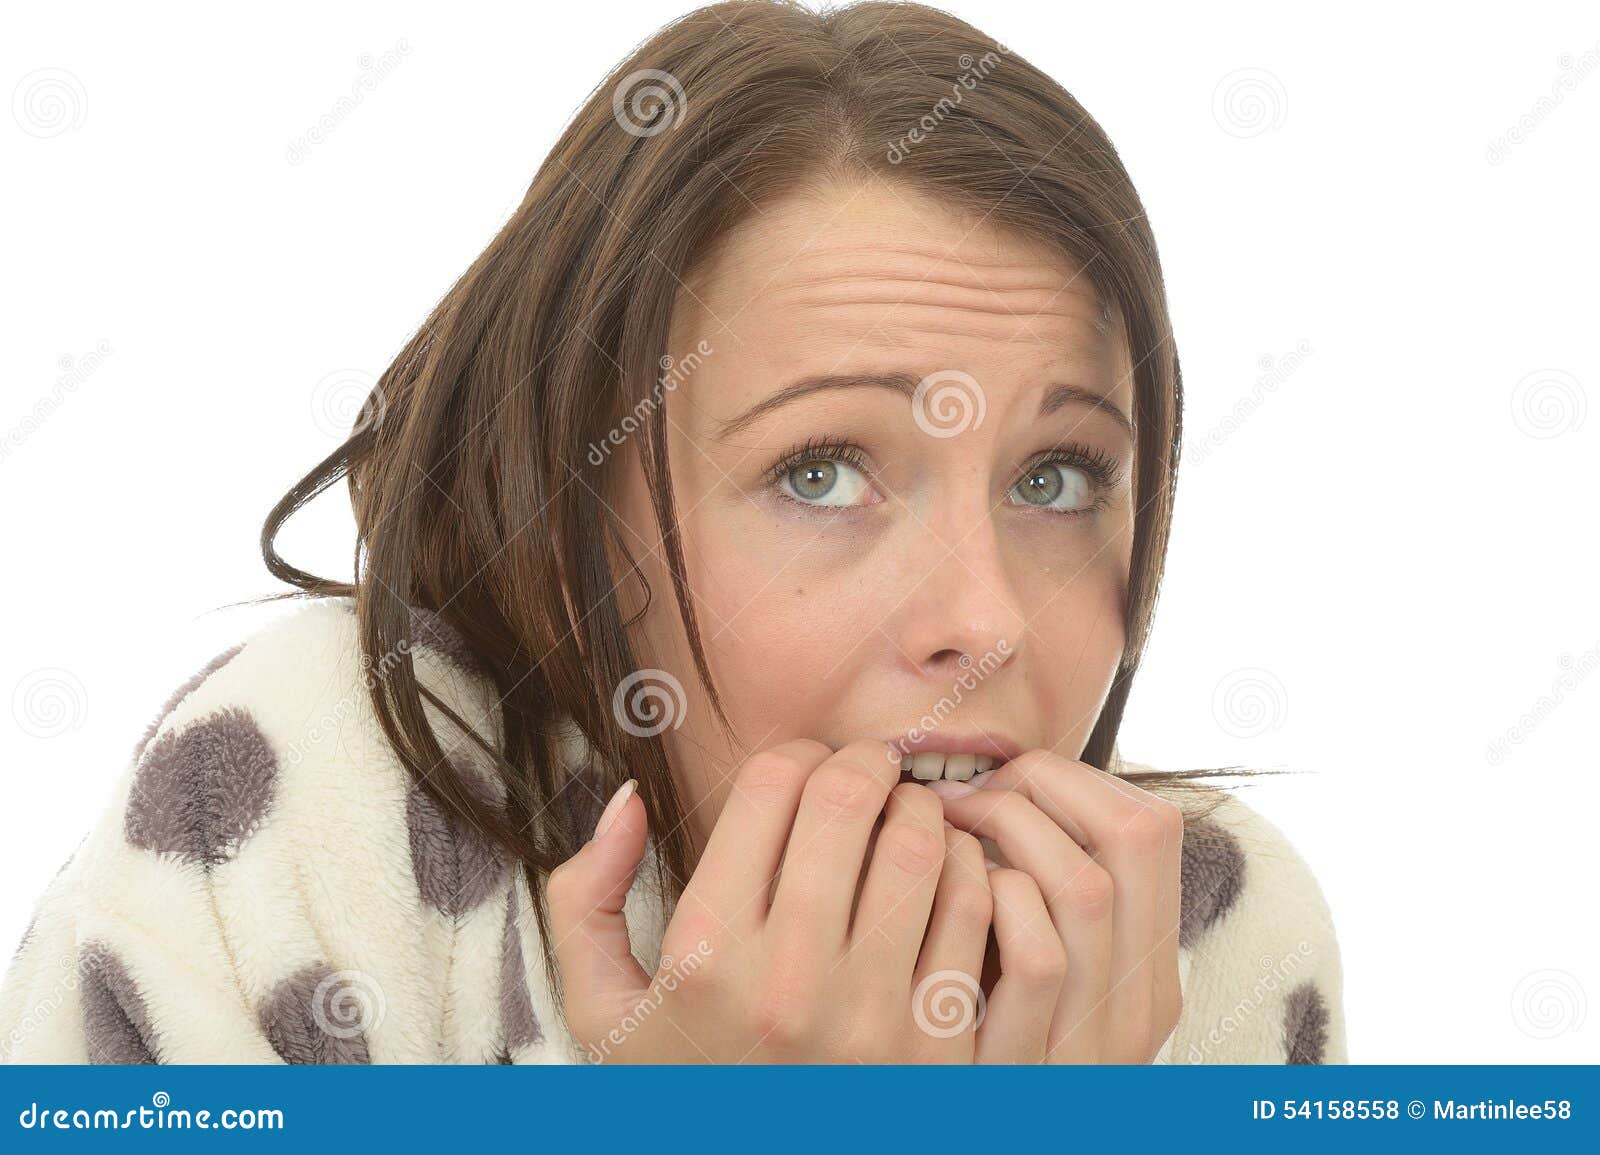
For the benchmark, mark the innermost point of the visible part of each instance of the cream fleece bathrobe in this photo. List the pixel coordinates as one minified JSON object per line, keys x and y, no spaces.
{"x":267,"y":884}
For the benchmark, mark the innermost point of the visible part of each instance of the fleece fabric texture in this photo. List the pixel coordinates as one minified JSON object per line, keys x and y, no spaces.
{"x":268,"y":884}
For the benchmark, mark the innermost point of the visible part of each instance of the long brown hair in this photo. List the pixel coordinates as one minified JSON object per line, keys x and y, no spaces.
{"x":474,"y":496}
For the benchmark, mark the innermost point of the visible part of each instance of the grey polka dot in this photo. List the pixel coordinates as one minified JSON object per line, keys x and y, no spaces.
{"x":456,"y":866}
{"x":520,"y":1024}
{"x":301,"y":1030}
{"x":430,"y":631}
{"x":203,"y":790}
{"x":116,"y":1025}
{"x":183,"y":692}
{"x":580,"y":800}
{"x":1305,"y":1025}
{"x":1213,"y":874}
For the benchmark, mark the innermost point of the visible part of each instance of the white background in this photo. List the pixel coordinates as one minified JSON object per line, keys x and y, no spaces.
{"x":1384,"y":558}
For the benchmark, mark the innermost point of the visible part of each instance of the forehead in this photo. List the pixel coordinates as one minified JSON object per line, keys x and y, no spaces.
{"x":873,"y":273}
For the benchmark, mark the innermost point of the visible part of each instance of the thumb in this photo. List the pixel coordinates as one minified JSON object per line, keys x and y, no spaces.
{"x":585,"y":895}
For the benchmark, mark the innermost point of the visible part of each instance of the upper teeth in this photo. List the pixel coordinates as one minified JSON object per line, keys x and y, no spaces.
{"x":956,"y":767}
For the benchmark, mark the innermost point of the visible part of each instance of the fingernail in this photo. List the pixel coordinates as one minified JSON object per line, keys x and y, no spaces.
{"x":614,"y":807}
{"x":949,"y":788}
{"x":977,"y":781}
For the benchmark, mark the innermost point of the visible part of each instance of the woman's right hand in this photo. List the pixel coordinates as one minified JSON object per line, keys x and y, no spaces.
{"x":784,"y":973}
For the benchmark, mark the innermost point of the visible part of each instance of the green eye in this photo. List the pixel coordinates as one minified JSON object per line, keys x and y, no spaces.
{"x":1052,"y":486}
{"x":823,"y":482}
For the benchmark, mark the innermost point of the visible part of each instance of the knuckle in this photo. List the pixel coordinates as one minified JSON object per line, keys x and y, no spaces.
{"x":1027,"y":765}
{"x":971,"y":905}
{"x":1148,"y":826}
{"x":914,"y":849}
{"x":1041,"y":964}
{"x":920,"y":803}
{"x":783,"y":1014}
{"x":559,"y":887}
{"x":1090,"y":892}
{"x":692,"y":931}
{"x":844,"y":790}
{"x":963,"y":845}
{"x":774,"y":773}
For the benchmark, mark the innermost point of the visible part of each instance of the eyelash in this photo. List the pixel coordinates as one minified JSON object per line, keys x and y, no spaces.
{"x":1102,"y":469}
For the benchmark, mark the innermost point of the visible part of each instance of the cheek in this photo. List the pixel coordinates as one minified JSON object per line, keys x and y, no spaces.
{"x":786,"y":617}
{"x":1076,"y":644}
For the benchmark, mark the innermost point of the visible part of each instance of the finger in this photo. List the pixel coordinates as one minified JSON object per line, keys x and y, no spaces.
{"x":735,"y":872}
{"x":902,"y":877}
{"x":585,"y":897}
{"x":827,"y":847}
{"x":1078,"y":892}
{"x":963,"y":907}
{"x":1138,"y":837}
{"x":1033,"y":967}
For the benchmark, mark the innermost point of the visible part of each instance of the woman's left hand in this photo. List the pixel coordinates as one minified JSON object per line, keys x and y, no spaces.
{"x":1086,"y":917}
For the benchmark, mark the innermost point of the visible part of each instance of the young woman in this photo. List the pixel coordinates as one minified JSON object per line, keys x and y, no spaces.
{"x":758,"y":545}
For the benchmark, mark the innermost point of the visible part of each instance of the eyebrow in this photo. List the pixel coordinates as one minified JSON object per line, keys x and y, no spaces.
{"x":1055,"y":398}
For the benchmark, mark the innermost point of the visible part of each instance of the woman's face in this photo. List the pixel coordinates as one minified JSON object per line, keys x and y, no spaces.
{"x":866,"y":560}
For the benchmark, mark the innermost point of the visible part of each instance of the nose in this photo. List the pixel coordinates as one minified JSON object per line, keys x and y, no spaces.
{"x":960,"y":612}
